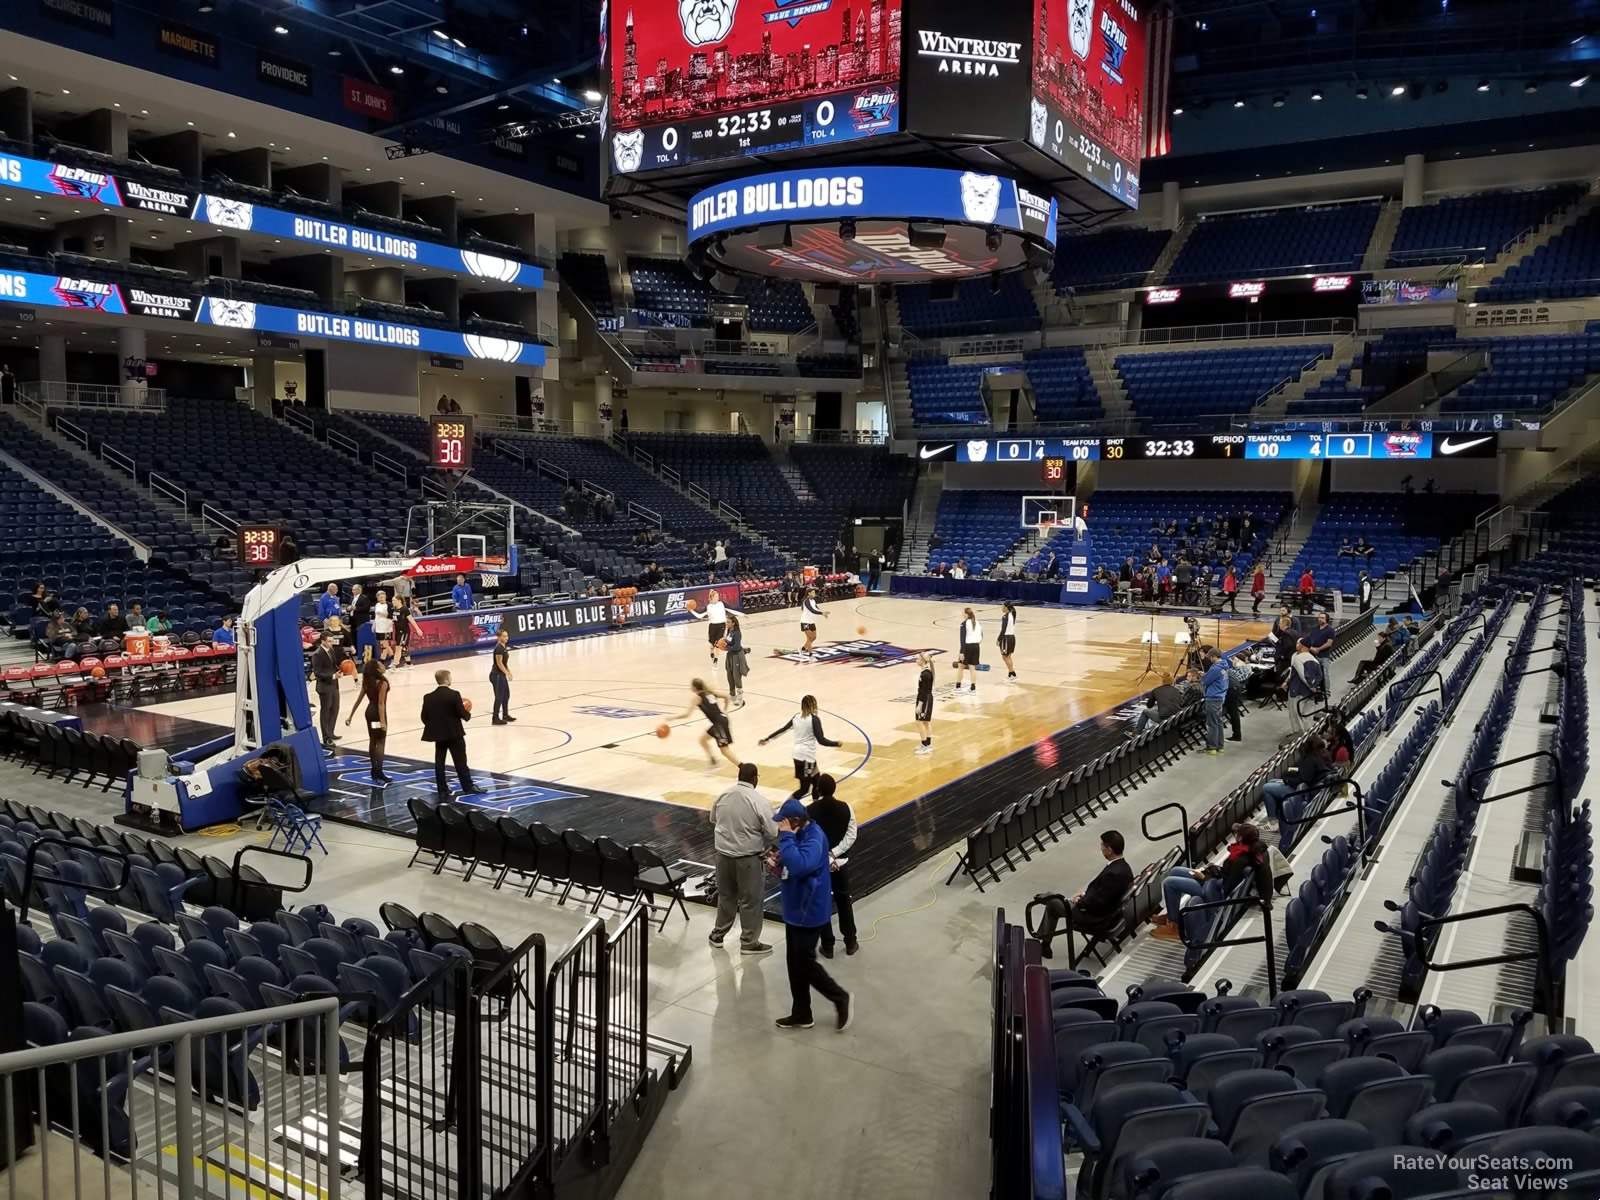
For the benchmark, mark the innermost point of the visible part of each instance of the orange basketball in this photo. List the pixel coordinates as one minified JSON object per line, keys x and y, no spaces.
{"x":347,"y":667}
{"x":692,"y":605}
{"x":97,"y":673}
{"x":861,"y":629}
{"x":663,"y":730}
{"x":722,"y":643}
{"x":466,"y":704}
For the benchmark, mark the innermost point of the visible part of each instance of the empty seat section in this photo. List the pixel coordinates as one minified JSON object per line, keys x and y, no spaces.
{"x":1182,"y":384}
{"x":970,"y":306}
{"x":1283,"y":241}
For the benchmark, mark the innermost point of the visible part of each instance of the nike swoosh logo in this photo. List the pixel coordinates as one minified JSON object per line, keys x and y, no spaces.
{"x":935,"y":451}
{"x":1449,"y":447}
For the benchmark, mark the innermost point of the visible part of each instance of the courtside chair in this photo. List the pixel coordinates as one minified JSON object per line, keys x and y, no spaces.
{"x":430,"y":832}
{"x":655,"y":878}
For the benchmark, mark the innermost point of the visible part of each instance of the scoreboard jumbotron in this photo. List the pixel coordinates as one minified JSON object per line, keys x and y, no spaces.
{"x":1379,"y":445}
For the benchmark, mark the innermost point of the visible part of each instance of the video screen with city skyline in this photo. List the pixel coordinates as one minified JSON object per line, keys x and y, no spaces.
{"x":694,"y":58}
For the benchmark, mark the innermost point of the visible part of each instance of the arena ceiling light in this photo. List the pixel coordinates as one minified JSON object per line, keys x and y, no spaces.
{"x":592,"y":96}
{"x":1278,"y":101}
{"x":1361,"y":93}
{"x":1398,"y":89}
{"x":1239,"y":103}
{"x":1579,"y":81}
{"x":1483,"y":85}
{"x":397,"y":69}
{"x":1317,"y":95}
{"x":1178,"y":111}
{"x":1531,"y":87}
{"x":280,"y":30}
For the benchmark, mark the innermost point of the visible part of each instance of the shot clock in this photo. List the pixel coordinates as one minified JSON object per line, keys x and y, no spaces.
{"x":450,"y":442}
{"x":260,"y":545}
{"x":1055,"y":469}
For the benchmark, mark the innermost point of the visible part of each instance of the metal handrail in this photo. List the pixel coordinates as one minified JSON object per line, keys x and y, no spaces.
{"x":294,"y":416}
{"x":1181,"y":832}
{"x":1546,"y":975}
{"x":392,"y":466}
{"x":344,"y":442}
{"x":210,"y":515}
{"x":168,"y":489}
{"x":72,"y":430}
{"x":130,"y":397}
{"x":635,"y":509}
{"x":545,"y":467}
{"x":110,"y":454}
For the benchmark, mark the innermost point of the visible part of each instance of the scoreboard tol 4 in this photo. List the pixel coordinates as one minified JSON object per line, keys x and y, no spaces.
{"x":450,"y":442}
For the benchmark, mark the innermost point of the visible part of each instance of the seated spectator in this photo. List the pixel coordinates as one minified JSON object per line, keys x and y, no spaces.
{"x":1312,"y":768}
{"x":1341,"y":746}
{"x":935,"y":542}
{"x":225,"y":635}
{"x":1319,"y":638}
{"x":1382,"y":652}
{"x":59,"y":637}
{"x":42,"y":601}
{"x":1214,"y":881}
{"x":1124,"y":572}
{"x":1365,"y":548}
{"x":1346,"y":550}
{"x":160,"y":623}
{"x":288,"y":550}
{"x":959,"y":571}
{"x":113,"y":624}
{"x":1154,"y":556}
{"x":374,"y":545}
{"x":1098,"y":905}
{"x":1160,"y":702}
{"x":223,"y":547}
{"x":1305,"y":682}
{"x":82,"y":624}
{"x":136,"y":616}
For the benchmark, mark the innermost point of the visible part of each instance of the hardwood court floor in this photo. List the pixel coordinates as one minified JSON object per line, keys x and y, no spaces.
{"x":587,"y":708}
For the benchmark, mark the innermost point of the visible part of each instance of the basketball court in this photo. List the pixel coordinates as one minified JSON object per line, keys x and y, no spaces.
{"x":587,"y":710}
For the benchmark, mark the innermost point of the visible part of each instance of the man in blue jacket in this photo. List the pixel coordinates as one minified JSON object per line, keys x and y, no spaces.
{"x":807,"y":891}
{"x":1215,"y":686}
{"x":461,"y":594}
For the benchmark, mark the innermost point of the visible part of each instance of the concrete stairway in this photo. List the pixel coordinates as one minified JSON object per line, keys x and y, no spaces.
{"x":1103,"y":373}
{"x":923,"y":510}
{"x":900,"y":400}
{"x":1558,"y":223}
{"x":1277,"y":404}
{"x":1383,"y":232}
{"x":1280,"y":560}
{"x":1158,"y":273}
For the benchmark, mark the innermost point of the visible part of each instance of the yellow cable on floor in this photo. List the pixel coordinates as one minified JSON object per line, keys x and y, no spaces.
{"x":872,"y":933}
{"x":217,"y":831}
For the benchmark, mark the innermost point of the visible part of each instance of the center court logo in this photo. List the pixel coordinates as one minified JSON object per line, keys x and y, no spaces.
{"x":860,"y":651}
{"x":980,"y":197}
{"x":706,"y":21}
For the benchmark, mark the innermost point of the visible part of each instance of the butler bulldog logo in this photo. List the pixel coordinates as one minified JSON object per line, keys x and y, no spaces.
{"x":487,"y":266}
{"x":493,"y":348}
{"x":230,"y":214}
{"x":706,"y":21}
{"x":1080,"y":25}
{"x":980,"y":197}
{"x":627,"y":150}
{"x":232,"y":314}
{"x":977,"y":451}
{"x":1038,"y":116}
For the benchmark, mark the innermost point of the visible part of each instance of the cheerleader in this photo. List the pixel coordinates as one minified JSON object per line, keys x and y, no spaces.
{"x":808,"y":735}
{"x":809,"y":612}
{"x":718,"y":731}
{"x":1008,"y":638}
{"x":738,"y":661}
{"x":924,"y":705}
{"x":971,"y":645}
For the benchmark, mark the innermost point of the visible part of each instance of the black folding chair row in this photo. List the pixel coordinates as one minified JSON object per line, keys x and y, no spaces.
{"x":1068,"y":802}
{"x":247,"y":893}
{"x":544,"y":858}
{"x":69,"y":753}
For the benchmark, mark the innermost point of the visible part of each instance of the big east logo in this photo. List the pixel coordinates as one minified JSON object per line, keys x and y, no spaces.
{"x":1115,"y":38}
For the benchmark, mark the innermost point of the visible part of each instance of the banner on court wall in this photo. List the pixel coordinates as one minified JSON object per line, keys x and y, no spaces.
{"x":563,"y":618}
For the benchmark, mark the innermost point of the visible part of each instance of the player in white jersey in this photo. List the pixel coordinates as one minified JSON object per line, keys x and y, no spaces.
{"x":971,"y":646}
{"x":806,"y":726}
{"x":809,"y":612}
{"x":717,"y":614}
{"x":1008,"y":638}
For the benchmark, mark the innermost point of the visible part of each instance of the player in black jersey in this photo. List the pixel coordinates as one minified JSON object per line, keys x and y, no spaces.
{"x":924,"y":706}
{"x":1008,"y":637}
{"x":718,"y":731}
{"x":809,"y":612}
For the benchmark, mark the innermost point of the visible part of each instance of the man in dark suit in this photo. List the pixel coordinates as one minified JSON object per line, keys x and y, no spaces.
{"x":1097,"y":906}
{"x":443,"y":714}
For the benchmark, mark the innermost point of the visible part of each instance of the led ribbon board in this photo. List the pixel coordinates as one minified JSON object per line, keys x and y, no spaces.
{"x":180,"y":200}
{"x":786,"y":224}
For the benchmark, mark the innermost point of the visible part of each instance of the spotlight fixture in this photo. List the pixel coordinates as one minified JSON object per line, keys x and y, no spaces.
{"x":1278,"y":101}
{"x":1178,"y":111}
{"x":1398,"y":89}
{"x":1317,"y":95}
{"x":1483,"y":85}
{"x":926,"y":235}
{"x":441,"y":35}
{"x":1361,"y":93}
{"x":1530,"y":87}
{"x":847,"y":229}
{"x":280,"y":30}
{"x":991,"y":239}
{"x":1579,"y":81}
{"x":441,"y":89}
{"x":592,"y":96}
{"x":1239,"y":103}
{"x":397,"y":69}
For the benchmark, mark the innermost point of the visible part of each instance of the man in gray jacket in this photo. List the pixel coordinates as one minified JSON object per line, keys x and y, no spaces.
{"x":741,"y":820}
